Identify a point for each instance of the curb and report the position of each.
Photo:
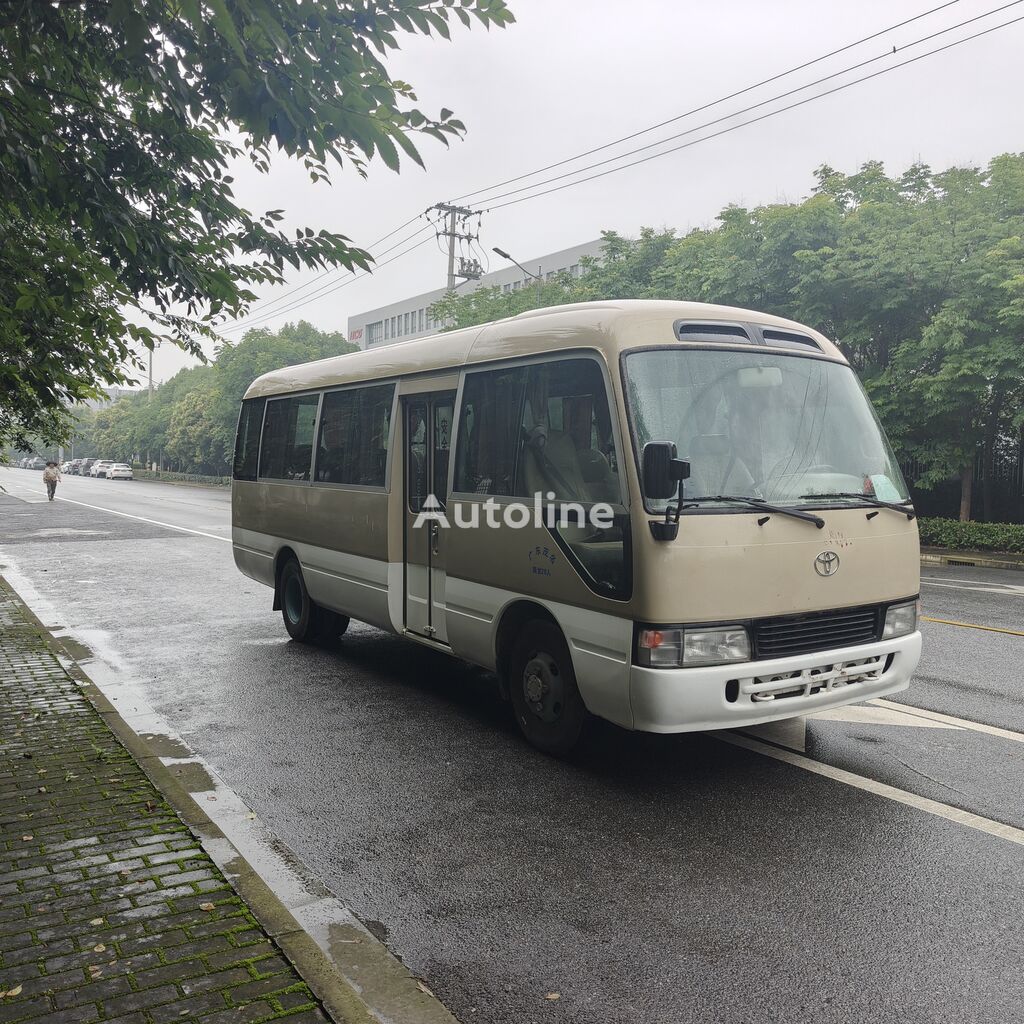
(357, 979)
(937, 556)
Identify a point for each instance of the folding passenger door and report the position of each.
(427, 422)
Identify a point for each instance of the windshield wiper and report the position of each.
(758, 503)
(896, 506)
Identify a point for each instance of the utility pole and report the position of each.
(455, 216)
(155, 344)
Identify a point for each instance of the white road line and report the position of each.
(960, 579)
(958, 723)
(900, 796)
(995, 588)
(153, 522)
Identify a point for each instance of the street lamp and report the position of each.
(505, 256)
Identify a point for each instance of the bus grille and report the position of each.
(817, 631)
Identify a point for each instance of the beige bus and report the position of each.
(671, 515)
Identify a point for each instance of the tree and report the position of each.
(188, 423)
(117, 121)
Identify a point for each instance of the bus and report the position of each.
(670, 515)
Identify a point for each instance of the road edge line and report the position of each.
(959, 723)
(901, 796)
(345, 998)
(143, 519)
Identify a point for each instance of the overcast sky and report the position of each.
(571, 75)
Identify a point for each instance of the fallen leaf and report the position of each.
(99, 948)
(423, 987)
(552, 996)
(16, 991)
(206, 906)
(96, 921)
(42, 789)
(27, 839)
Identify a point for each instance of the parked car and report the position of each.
(36, 463)
(100, 468)
(119, 471)
(85, 467)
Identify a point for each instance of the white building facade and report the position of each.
(410, 318)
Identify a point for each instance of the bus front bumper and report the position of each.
(748, 693)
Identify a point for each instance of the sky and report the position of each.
(571, 75)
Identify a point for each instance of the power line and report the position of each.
(261, 307)
(745, 110)
(337, 286)
(324, 289)
(268, 314)
(706, 106)
(762, 117)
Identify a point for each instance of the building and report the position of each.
(410, 318)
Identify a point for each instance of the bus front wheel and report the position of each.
(542, 684)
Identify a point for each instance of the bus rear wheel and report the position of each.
(542, 684)
(304, 619)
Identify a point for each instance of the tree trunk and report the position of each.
(987, 471)
(966, 489)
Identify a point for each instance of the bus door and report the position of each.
(428, 422)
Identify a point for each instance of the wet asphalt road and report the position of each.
(661, 879)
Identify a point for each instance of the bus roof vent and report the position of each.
(789, 339)
(722, 332)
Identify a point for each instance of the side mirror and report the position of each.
(662, 470)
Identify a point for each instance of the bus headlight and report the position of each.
(687, 648)
(900, 619)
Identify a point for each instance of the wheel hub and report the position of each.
(542, 687)
(293, 599)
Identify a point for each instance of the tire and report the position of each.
(297, 608)
(304, 619)
(330, 625)
(546, 701)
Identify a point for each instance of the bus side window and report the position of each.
(355, 425)
(247, 442)
(488, 444)
(287, 448)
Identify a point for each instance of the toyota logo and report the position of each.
(826, 564)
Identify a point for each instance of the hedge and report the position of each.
(185, 478)
(951, 533)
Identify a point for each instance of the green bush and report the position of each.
(950, 533)
(187, 478)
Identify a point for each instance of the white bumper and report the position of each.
(694, 699)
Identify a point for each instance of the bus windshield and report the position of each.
(786, 429)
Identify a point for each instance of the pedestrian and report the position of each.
(50, 477)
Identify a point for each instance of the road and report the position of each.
(765, 876)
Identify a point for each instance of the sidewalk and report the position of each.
(110, 910)
(979, 559)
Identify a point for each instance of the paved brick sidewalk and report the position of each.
(109, 908)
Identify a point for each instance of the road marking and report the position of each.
(879, 714)
(143, 519)
(973, 625)
(959, 723)
(995, 588)
(983, 583)
(900, 796)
